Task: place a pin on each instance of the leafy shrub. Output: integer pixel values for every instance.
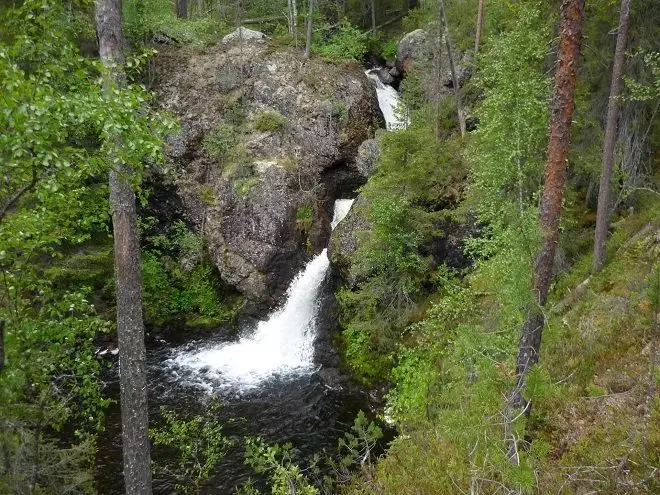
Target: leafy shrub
(388, 50)
(348, 42)
(199, 443)
(180, 283)
(268, 121)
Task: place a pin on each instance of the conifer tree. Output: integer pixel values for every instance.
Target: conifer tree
(130, 326)
(568, 52)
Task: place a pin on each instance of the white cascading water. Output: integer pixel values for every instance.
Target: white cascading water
(388, 101)
(281, 345)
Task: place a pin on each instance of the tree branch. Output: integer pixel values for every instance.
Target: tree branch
(18, 194)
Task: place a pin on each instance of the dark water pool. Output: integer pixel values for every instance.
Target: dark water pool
(298, 409)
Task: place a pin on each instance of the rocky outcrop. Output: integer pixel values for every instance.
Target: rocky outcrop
(367, 158)
(267, 142)
(413, 48)
(418, 49)
(344, 241)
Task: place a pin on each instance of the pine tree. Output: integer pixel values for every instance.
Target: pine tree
(130, 326)
(572, 13)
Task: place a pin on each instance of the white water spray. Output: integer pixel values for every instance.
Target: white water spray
(389, 102)
(281, 345)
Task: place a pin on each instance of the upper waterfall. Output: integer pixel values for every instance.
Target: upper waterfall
(389, 102)
(282, 344)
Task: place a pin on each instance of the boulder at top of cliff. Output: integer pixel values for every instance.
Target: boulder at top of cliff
(412, 48)
(244, 34)
(416, 51)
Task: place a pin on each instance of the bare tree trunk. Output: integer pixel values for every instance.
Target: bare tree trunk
(605, 192)
(450, 55)
(480, 23)
(310, 25)
(572, 13)
(289, 16)
(2, 345)
(295, 23)
(130, 326)
(373, 15)
(181, 8)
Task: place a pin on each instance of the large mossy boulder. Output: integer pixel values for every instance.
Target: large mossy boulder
(268, 140)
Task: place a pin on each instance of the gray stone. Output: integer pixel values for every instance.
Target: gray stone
(367, 157)
(413, 48)
(385, 76)
(244, 34)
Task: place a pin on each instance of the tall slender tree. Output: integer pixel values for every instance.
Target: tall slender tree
(130, 326)
(310, 28)
(568, 53)
(450, 55)
(373, 15)
(480, 24)
(611, 124)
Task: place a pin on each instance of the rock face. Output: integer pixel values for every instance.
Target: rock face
(267, 142)
(413, 48)
(344, 241)
(417, 49)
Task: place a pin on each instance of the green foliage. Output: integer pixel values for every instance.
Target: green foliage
(221, 144)
(180, 283)
(651, 90)
(347, 42)
(388, 50)
(244, 185)
(279, 463)
(268, 121)
(145, 20)
(62, 128)
(199, 444)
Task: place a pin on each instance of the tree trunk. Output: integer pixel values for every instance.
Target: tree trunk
(295, 23)
(450, 56)
(605, 192)
(480, 23)
(373, 15)
(130, 326)
(2, 345)
(310, 25)
(289, 17)
(181, 8)
(572, 13)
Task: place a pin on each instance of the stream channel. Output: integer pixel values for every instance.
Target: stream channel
(264, 378)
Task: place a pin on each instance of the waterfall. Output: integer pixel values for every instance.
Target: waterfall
(388, 101)
(283, 344)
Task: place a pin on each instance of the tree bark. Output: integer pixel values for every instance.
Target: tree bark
(181, 8)
(480, 23)
(572, 13)
(2, 345)
(452, 67)
(373, 15)
(310, 26)
(130, 326)
(605, 192)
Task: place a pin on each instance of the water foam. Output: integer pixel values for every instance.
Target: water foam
(388, 101)
(281, 345)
